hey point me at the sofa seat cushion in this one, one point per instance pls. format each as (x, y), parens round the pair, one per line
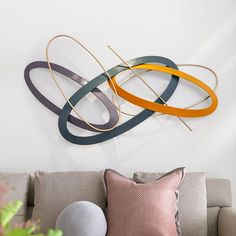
(54, 191)
(192, 201)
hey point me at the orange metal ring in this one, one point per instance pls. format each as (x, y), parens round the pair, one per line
(166, 109)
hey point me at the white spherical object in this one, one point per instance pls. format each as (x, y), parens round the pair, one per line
(82, 218)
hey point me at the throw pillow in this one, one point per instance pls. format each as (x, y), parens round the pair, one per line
(142, 209)
(82, 218)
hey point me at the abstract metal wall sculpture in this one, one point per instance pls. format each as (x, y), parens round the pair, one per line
(112, 128)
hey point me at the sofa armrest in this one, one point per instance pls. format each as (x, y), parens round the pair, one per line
(227, 222)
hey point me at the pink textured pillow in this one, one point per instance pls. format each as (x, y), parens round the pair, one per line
(148, 209)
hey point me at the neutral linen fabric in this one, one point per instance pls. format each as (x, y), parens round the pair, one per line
(54, 191)
(212, 220)
(82, 218)
(18, 184)
(192, 201)
(219, 193)
(142, 209)
(227, 222)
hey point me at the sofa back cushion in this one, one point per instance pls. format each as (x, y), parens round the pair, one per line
(18, 184)
(192, 201)
(219, 193)
(54, 191)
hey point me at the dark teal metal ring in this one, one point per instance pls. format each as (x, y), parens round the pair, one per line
(77, 96)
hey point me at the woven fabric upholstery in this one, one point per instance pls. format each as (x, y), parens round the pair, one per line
(18, 184)
(192, 201)
(227, 222)
(218, 193)
(212, 220)
(54, 191)
(142, 209)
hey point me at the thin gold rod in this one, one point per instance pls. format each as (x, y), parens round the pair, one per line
(61, 90)
(216, 81)
(189, 128)
(124, 82)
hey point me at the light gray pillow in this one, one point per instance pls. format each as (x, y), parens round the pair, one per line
(192, 201)
(82, 218)
(55, 191)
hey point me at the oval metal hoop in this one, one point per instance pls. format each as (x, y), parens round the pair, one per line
(113, 119)
(186, 107)
(170, 110)
(132, 122)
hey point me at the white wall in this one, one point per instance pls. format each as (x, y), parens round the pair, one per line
(197, 31)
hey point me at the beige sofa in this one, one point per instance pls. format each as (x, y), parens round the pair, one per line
(205, 204)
